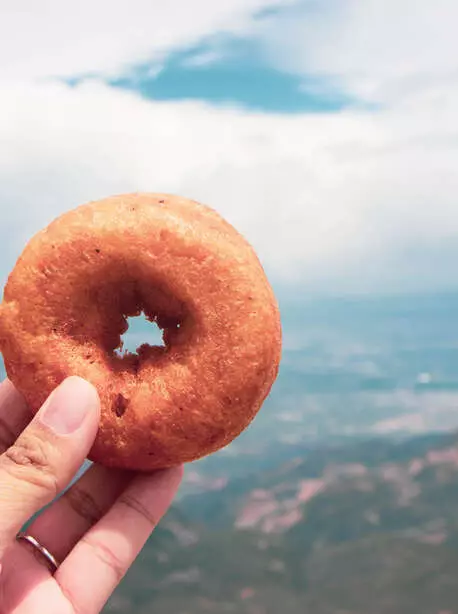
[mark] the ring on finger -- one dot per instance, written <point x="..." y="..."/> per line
<point x="48" y="557"/>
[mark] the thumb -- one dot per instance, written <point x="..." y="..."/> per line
<point x="47" y="454"/>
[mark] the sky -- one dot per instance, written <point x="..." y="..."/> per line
<point x="326" y="131"/>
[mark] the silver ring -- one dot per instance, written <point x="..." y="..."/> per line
<point x="49" y="558"/>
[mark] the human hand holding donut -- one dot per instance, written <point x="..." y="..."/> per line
<point x="93" y="532"/>
<point x="65" y="307"/>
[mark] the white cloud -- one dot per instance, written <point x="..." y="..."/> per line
<point x="77" y="144"/>
<point x="354" y="200"/>
<point x="376" y="50"/>
<point x="321" y="197"/>
<point x="204" y="58"/>
<point x="66" y="39"/>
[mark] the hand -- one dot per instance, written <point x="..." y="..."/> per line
<point x="94" y="530"/>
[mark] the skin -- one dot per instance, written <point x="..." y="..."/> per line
<point x="95" y="529"/>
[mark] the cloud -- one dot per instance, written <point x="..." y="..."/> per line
<point x="377" y="50"/>
<point x="324" y="198"/>
<point x="358" y="200"/>
<point x="204" y="58"/>
<point x="58" y="39"/>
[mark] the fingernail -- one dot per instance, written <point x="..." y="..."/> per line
<point x="68" y="405"/>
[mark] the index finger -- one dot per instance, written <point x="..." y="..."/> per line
<point x="14" y="414"/>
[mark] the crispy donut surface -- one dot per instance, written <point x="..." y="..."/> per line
<point x="65" y="307"/>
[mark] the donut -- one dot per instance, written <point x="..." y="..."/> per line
<point x="65" y="307"/>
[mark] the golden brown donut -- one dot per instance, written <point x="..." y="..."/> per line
<point x="65" y="307"/>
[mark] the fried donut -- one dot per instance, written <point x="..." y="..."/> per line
<point x="66" y="305"/>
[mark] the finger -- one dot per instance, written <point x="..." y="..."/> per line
<point x="14" y="414"/>
<point x="47" y="454"/>
<point x="65" y="521"/>
<point x="96" y="565"/>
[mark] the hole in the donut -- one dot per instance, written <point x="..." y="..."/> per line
<point x="141" y="331"/>
<point x="120" y="405"/>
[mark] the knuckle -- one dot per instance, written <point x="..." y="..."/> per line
<point x="7" y="436"/>
<point x="28" y="460"/>
<point x="83" y="504"/>
<point x="137" y="506"/>
<point x="106" y="556"/>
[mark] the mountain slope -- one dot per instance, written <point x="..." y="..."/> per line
<point x="368" y="529"/>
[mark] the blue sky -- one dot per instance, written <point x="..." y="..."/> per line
<point x="332" y="151"/>
<point x="233" y="74"/>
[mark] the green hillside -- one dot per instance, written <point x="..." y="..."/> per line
<point x="365" y="529"/>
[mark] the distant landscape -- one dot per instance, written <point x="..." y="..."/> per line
<point x="371" y="528"/>
<point x="342" y="497"/>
